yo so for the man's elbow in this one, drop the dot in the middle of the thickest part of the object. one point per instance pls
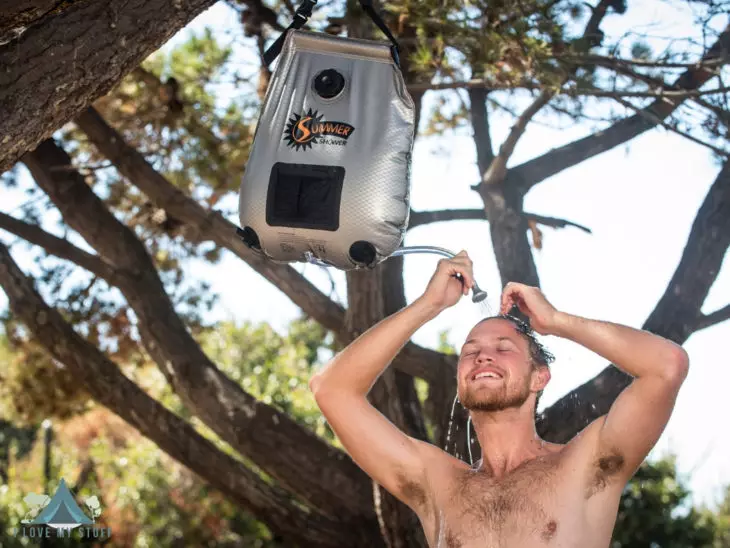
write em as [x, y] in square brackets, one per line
[321, 385]
[677, 365]
[315, 384]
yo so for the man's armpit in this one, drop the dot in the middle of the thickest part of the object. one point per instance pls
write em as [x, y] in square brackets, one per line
[412, 491]
[601, 467]
[607, 468]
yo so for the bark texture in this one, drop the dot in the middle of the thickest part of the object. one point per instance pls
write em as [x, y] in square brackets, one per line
[77, 52]
[108, 386]
[371, 298]
[300, 461]
[17, 16]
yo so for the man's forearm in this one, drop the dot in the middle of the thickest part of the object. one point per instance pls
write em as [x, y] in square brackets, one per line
[636, 352]
[356, 368]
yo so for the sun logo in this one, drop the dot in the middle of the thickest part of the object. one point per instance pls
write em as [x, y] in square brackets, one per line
[299, 134]
[303, 131]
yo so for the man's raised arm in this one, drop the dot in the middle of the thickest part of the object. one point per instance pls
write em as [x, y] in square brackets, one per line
[640, 413]
[387, 455]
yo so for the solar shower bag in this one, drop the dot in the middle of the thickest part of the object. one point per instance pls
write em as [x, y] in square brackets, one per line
[328, 175]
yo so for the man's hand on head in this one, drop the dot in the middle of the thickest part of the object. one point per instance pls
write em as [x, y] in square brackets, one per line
[543, 316]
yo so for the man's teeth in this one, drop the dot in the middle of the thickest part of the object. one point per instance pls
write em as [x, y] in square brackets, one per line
[488, 374]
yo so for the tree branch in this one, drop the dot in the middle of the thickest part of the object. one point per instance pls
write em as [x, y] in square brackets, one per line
[77, 53]
[204, 225]
[676, 316]
[538, 169]
[210, 225]
[659, 93]
[108, 386]
[17, 16]
[708, 320]
[418, 218]
[612, 62]
[480, 125]
[58, 246]
[662, 123]
[498, 168]
[284, 449]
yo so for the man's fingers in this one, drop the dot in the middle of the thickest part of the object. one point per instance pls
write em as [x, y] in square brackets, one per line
[460, 266]
[511, 296]
[465, 273]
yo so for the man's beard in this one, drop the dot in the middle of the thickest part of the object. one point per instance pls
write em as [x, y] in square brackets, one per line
[494, 400]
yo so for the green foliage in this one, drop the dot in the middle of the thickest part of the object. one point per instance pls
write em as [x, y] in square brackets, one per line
[32, 385]
[722, 539]
[187, 111]
[272, 367]
[148, 499]
[655, 512]
[444, 346]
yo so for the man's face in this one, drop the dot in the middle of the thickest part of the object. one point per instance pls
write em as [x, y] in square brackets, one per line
[495, 370]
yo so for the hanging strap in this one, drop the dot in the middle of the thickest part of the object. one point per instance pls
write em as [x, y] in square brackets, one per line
[367, 6]
[304, 12]
[301, 16]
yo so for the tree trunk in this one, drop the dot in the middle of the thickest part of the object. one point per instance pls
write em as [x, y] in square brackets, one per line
[111, 388]
[503, 205]
[508, 231]
[676, 316]
[371, 296]
[292, 454]
[77, 53]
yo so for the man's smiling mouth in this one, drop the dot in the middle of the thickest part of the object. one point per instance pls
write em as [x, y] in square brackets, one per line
[486, 373]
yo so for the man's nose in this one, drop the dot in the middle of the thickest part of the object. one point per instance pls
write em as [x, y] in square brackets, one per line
[484, 357]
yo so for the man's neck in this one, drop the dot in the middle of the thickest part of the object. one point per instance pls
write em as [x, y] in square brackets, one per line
[507, 438]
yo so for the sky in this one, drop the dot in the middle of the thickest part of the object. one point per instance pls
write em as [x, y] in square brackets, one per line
[638, 200]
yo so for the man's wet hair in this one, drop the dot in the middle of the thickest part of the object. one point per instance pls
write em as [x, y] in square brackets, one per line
[539, 355]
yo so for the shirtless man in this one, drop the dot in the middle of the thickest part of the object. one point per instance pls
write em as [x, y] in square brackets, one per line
[524, 492]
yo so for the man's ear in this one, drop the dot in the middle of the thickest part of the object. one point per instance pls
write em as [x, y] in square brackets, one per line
[540, 378]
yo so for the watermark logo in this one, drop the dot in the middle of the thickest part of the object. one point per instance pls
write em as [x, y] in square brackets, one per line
[61, 517]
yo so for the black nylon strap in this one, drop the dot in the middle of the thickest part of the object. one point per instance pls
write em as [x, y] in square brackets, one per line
[301, 16]
[304, 12]
[367, 6]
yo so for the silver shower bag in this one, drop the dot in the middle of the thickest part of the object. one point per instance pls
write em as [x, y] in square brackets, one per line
[328, 177]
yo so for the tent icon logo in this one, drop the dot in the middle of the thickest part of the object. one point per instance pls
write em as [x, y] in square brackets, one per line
[62, 514]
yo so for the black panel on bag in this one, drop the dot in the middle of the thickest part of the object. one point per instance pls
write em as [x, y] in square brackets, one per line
[305, 196]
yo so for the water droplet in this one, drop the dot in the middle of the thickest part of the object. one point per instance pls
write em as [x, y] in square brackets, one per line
[469, 439]
[451, 422]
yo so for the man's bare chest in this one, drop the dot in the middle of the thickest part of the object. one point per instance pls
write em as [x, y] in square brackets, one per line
[529, 507]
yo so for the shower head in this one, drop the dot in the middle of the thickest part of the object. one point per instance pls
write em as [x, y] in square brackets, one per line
[478, 295]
